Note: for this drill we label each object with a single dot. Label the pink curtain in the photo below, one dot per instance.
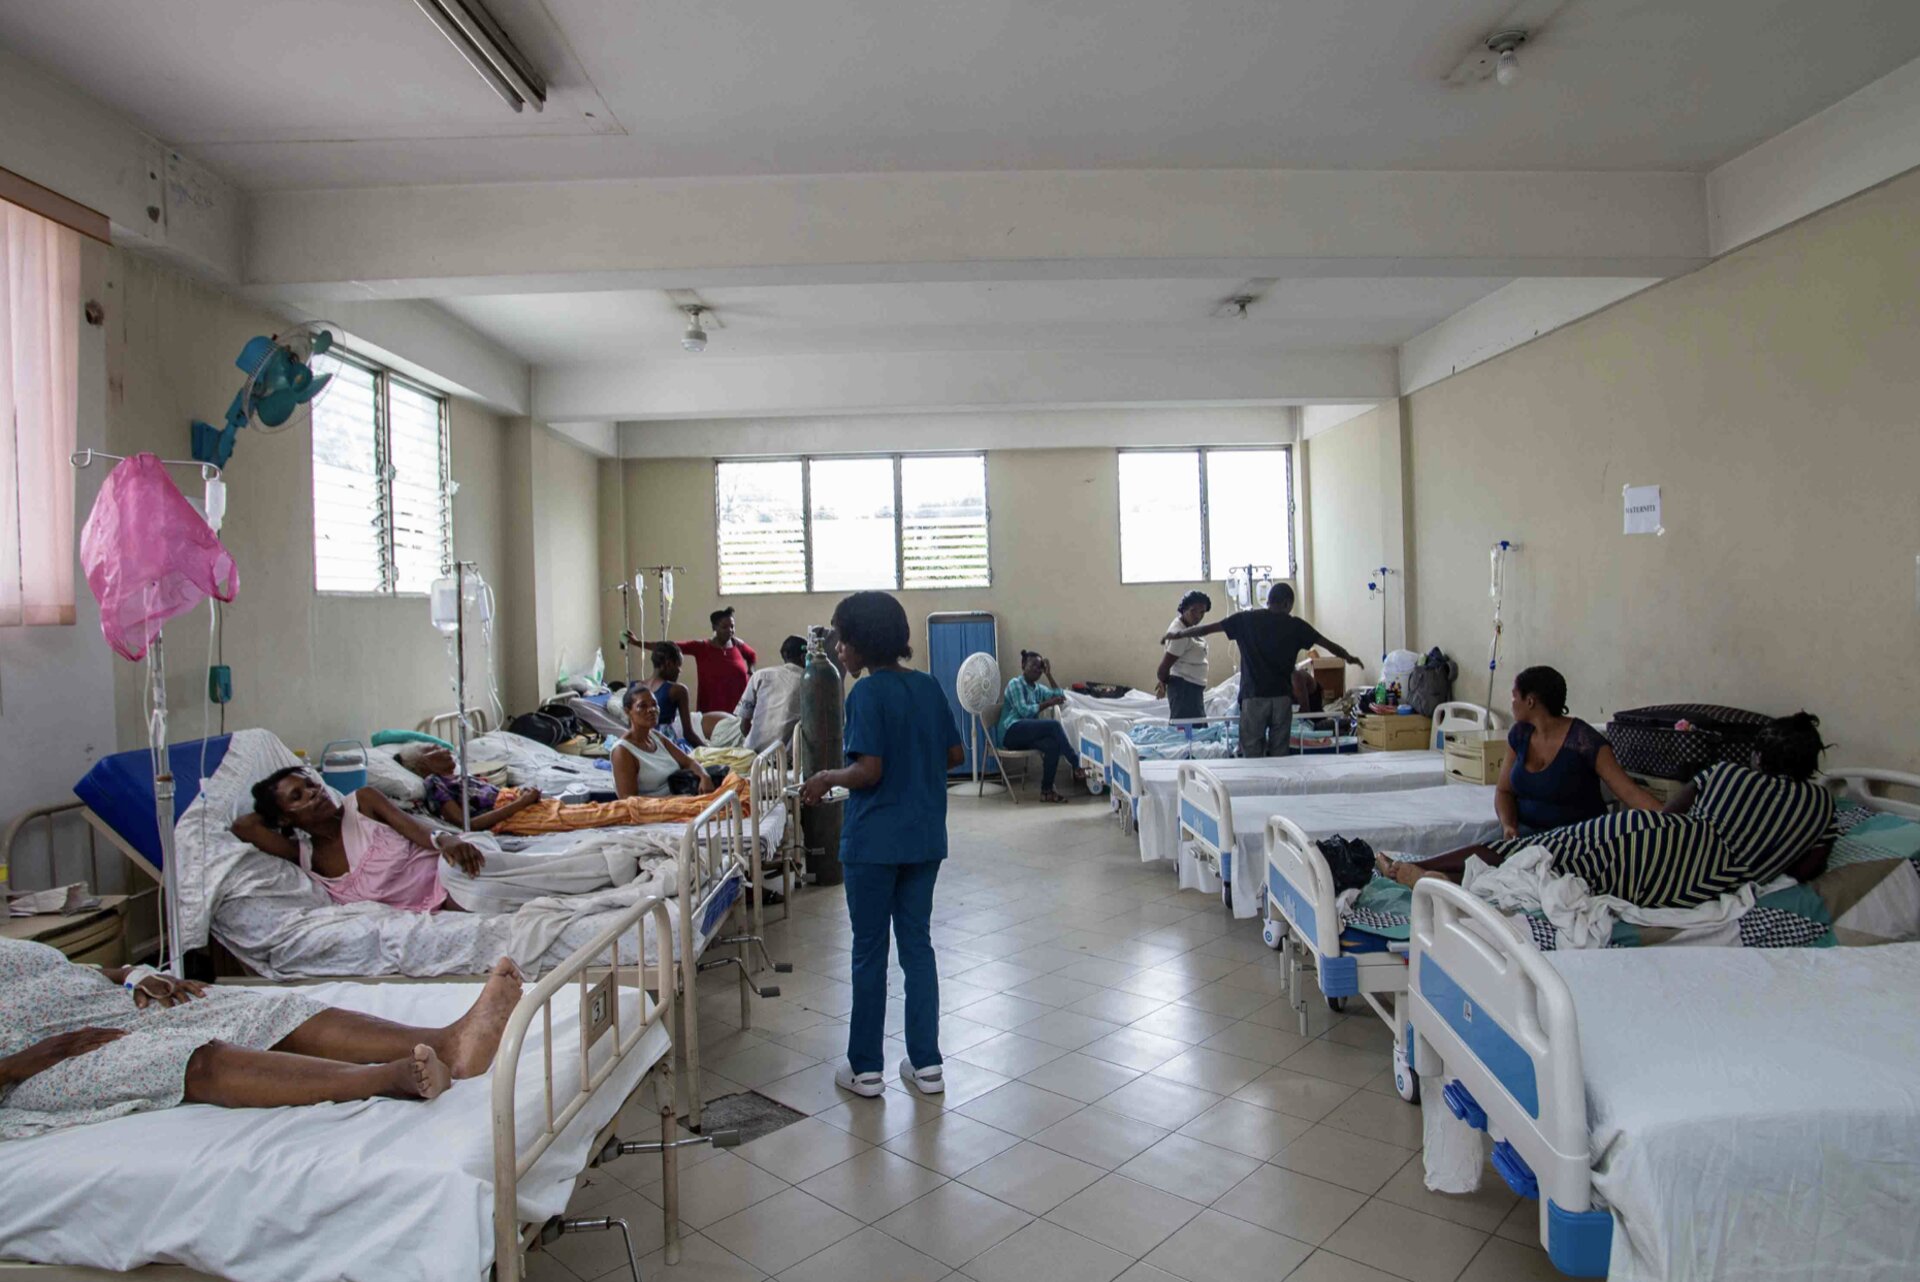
(39, 415)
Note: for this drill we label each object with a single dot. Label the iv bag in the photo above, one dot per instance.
(444, 600)
(447, 607)
(1498, 558)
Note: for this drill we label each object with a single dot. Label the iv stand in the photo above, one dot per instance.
(626, 624)
(170, 940)
(460, 569)
(663, 576)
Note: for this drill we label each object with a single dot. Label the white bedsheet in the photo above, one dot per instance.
(1298, 775)
(1755, 1112)
(1419, 821)
(380, 1190)
(273, 918)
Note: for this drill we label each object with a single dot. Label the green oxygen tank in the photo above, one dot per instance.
(822, 747)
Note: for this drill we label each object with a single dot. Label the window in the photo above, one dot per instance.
(382, 519)
(1192, 515)
(844, 524)
(39, 415)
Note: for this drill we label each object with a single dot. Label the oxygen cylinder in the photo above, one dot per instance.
(822, 747)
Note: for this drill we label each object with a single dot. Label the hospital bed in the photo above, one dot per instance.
(463, 1187)
(1764, 1127)
(1090, 722)
(1146, 791)
(257, 905)
(1219, 832)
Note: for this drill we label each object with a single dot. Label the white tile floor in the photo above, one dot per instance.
(1128, 1097)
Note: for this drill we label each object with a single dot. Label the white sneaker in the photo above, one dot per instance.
(867, 1084)
(928, 1081)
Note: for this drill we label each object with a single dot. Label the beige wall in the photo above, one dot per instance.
(310, 667)
(566, 532)
(1772, 396)
(1351, 493)
(1054, 545)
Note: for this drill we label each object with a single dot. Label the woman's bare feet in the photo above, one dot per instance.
(468, 1044)
(1404, 873)
(424, 1075)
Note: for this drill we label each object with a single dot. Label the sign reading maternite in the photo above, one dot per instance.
(1643, 509)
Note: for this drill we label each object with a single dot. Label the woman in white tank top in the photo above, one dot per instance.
(644, 758)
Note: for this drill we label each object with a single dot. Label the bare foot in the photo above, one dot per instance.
(1404, 873)
(424, 1075)
(468, 1044)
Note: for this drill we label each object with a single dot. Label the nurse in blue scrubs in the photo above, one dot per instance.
(900, 743)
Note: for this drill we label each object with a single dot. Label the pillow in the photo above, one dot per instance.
(385, 772)
(1872, 903)
(384, 738)
(1882, 836)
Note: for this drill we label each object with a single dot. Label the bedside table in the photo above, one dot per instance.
(94, 938)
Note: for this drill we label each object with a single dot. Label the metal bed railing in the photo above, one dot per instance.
(446, 725)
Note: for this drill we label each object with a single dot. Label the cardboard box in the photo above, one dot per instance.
(1396, 734)
(1329, 674)
(1475, 756)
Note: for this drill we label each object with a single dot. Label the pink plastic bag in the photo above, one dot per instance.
(149, 556)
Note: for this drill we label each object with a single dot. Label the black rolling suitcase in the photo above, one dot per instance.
(1648, 741)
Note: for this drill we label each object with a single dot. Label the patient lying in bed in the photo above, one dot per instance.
(525, 812)
(80, 1045)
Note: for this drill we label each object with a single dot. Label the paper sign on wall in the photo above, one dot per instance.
(1643, 509)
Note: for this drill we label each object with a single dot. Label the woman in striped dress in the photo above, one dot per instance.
(1732, 825)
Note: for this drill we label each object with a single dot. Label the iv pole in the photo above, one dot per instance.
(663, 575)
(170, 941)
(460, 569)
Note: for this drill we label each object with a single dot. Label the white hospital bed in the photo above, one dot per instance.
(1687, 1112)
(1144, 792)
(1219, 833)
(1091, 722)
(459, 1188)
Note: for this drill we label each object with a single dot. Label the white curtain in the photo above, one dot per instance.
(39, 416)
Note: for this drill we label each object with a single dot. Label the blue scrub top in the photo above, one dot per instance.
(902, 718)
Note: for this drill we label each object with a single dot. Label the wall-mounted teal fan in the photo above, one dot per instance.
(280, 389)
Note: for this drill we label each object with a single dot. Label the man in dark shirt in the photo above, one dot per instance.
(1270, 642)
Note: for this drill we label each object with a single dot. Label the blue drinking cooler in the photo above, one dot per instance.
(343, 765)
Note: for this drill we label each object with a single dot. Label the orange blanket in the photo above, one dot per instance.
(549, 815)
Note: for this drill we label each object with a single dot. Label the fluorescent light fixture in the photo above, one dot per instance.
(472, 30)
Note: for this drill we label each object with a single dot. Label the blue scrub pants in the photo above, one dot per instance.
(900, 896)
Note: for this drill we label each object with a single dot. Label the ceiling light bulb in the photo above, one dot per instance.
(1506, 69)
(695, 339)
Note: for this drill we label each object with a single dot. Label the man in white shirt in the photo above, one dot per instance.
(1183, 668)
(770, 706)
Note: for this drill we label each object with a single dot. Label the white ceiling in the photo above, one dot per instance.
(1074, 315)
(289, 93)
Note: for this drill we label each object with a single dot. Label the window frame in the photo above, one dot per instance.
(383, 380)
(1202, 452)
(806, 462)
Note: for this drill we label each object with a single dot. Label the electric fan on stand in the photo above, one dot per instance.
(977, 686)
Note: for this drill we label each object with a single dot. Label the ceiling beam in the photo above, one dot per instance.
(550, 237)
(898, 382)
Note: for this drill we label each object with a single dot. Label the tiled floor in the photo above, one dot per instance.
(1128, 1097)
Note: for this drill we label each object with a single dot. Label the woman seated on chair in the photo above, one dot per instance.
(1557, 763)
(361, 848)
(1022, 728)
(80, 1045)
(1732, 825)
(646, 763)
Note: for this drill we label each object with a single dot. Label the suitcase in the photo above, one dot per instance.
(1646, 741)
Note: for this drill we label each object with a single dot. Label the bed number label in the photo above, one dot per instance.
(596, 1009)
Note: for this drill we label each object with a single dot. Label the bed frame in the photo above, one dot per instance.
(446, 725)
(1301, 916)
(1490, 1015)
(589, 974)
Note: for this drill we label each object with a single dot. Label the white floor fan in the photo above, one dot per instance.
(978, 686)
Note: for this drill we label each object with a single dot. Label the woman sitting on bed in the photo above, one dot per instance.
(1731, 826)
(81, 1045)
(360, 849)
(1557, 763)
(645, 760)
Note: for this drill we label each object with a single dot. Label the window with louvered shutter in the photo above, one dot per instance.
(760, 511)
(943, 522)
(382, 513)
(349, 542)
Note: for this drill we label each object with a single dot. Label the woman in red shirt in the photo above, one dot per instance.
(724, 664)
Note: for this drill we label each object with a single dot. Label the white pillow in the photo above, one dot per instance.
(385, 772)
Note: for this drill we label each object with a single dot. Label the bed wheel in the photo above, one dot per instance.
(1338, 1005)
(1274, 933)
(1405, 1080)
